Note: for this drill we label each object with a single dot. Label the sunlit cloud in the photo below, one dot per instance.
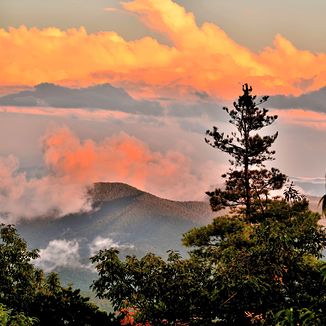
(304, 118)
(73, 165)
(82, 114)
(62, 253)
(203, 58)
(110, 9)
(123, 158)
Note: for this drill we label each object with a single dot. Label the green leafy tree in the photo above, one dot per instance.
(266, 260)
(19, 278)
(8, 318)
(265, 267)
(161, 292)
(238, 273)
(27, 297)
(248, 181)
(57, 305)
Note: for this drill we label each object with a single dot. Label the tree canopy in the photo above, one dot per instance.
(27, 297)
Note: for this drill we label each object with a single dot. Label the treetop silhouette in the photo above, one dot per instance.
(248, 182)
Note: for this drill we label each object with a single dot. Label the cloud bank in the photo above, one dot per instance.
(21, 197)
(303, 118)
(315, 101)
(95, 97)
(150, 69)
(72, 165)
(106, 97)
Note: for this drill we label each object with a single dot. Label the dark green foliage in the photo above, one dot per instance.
(57, 305)
(161, 291)
(8, 318)
(265, 267)
(18, 275)
(292, 317)
(26, 293)
(238, 273)
(248, 182)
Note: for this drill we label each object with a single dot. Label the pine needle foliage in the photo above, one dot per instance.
(248, 181)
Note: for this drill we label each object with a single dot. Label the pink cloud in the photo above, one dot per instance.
(83, 114)
(305, 118)
(110, 9)
(73, 165)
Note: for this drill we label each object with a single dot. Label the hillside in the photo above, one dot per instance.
(125, 213)
(132, 220)
(124, 217)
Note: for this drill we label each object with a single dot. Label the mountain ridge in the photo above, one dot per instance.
(133, 221)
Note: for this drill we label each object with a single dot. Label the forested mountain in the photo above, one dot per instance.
(125, 217)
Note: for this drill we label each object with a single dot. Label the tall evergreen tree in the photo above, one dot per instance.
(248, 181)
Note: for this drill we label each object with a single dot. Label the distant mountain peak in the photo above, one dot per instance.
(108, 191)
(144, 203)
(46, 86)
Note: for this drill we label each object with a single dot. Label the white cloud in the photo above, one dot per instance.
(59, 253)
(110, 9)
(100, 243)
(21, 197)
(66, 253)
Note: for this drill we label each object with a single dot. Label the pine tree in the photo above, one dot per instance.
(248, 182)
(238, 272)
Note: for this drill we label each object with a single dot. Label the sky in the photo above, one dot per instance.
(109, 90)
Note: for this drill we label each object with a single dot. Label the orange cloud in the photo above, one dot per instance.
(71, 57)
(121, 158)
(73, 165)
(305, 118)
(203, 57)
(110, 9)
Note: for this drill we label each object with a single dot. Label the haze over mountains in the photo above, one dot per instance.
(124, 217)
